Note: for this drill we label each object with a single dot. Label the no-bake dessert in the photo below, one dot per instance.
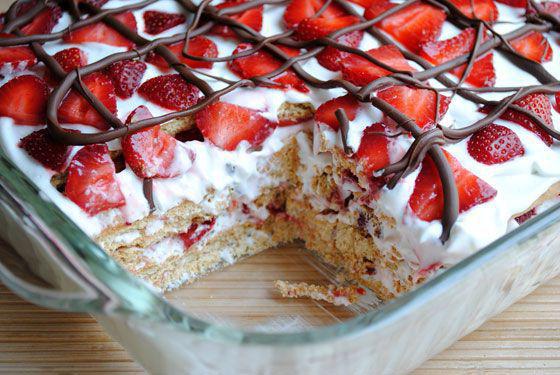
(393, 138)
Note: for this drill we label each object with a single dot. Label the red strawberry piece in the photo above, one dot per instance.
(69, 59)
(363, 3)
(373, 153)
(75, 109)
(331, 57)
(526, 216)
(43, 148)
(416, 24)
(494, 144)
(170, 91)
(196, 232)
(557, 100)
(198, 46)
(44, 22)
(540, 105)
(533, 46)
(91, 181)
(514, 3)
(126, 76)
(101, 33)
(551, 7)
(252, 17)
(157, 22)
(426, 200)
(314, 28)
(226, 125)
(418, 104)
(360, 71)
(260, 63)
(485, 10)
(149, 152)
(438, 52)
(325, 114)
(24, 99)
(19, 58)
(298, 10)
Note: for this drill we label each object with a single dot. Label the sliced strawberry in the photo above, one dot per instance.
(416, 24)
(298, 10)
(314, 28)
(514, 3)
(557, 100)
(226, 125)
(526, 216)
(198, 46)
(373, 153)
(360, 71)
(495, 144)
(91, 182)
(426, 200)
(252, 17)
(418, 104)
(157, 22)
(44, 22)
(170, 91)
(551, 7)
(43, 148)
(148, 152)
(126, 76)
(485, 10)
(260, 63)
(331, 57)
(18, 58)
(540, 105)
(69, 59)
(363, 3)
(196, 232)
(438, 52)
(24, 99)
(325, 114)
(534, 46)
(101, 33)
(75, 109)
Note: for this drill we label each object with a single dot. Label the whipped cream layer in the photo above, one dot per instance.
(237, 173)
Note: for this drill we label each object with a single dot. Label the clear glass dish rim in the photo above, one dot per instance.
(140, 301)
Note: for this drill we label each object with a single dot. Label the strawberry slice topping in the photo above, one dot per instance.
(91, 182)
(157, 22)
(24, 99)
(485, 10)
(75, 109)
(170, 91)
(43, 148)
(373, 153)
(198, 46)
(252, 17)
(149, 152)
(226, 125)
(557, 100)
(360, 71)
(551, 7)
(514, 3)
(426, 200)
(325, 114)
(196, 232)
(101, 33)
(298, 10)
(418, 104)
(69, 59)
(42, 23)
(331, 57)
(534, 46)
(314, 28)
(260, 63)
(126, 76)
(539, 105)
(495, 144)
(438, 52)
(416, 24)
(19, 58)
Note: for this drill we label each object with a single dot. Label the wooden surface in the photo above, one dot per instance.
(524, 339)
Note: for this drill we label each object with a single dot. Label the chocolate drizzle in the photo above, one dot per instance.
(425, 142)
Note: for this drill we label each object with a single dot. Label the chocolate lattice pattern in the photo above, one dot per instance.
(205, 16)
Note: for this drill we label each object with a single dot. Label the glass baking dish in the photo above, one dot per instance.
(233, 323)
